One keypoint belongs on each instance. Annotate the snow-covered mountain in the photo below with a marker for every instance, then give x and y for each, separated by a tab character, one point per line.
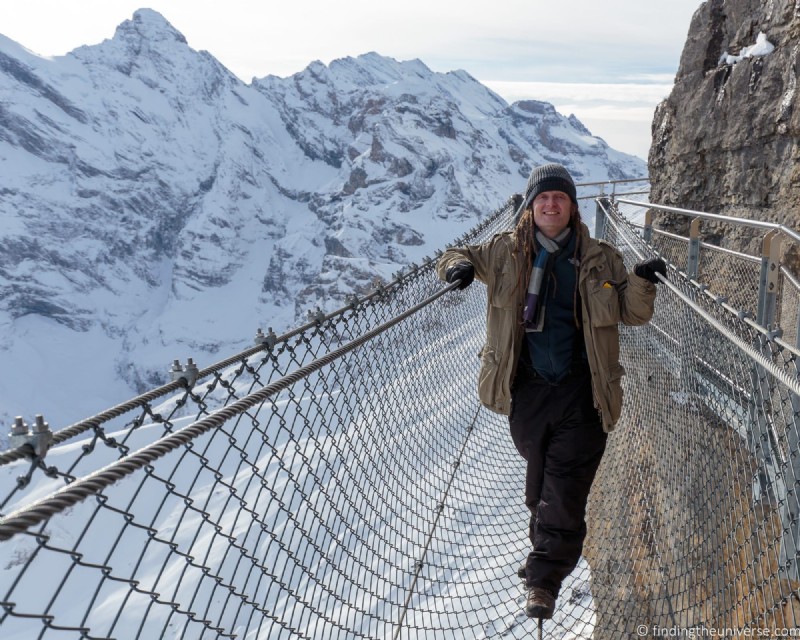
153	206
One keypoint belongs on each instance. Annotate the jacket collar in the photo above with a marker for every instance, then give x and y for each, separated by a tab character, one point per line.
582	233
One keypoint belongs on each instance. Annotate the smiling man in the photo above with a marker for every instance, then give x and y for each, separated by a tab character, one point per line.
551	360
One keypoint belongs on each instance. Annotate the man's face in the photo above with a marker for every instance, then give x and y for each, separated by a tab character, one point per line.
551	212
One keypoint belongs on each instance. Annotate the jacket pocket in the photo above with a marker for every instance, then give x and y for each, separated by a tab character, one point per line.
614	381
603	303
488	377
503	286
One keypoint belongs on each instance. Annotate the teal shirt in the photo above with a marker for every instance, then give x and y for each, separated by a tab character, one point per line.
552	350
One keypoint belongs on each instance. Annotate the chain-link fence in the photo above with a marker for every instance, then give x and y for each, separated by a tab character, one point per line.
695	510
341	481
758	277
788	305
673	248
736	275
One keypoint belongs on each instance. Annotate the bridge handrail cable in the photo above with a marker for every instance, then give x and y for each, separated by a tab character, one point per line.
73	493
745	222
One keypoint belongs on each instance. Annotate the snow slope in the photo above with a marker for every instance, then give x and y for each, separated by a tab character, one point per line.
155	207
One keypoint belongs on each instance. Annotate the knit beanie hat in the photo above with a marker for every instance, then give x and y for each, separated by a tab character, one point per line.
549	177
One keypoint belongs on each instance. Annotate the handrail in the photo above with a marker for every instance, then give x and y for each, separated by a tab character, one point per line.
706	245
632	193
703	289
594	184
745	222
669	234
627	193
70	495
729	252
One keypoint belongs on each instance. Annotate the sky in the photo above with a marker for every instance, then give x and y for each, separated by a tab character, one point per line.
609	62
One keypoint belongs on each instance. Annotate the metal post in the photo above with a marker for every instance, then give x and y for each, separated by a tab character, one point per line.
769	279
693	263
600	217
790	512
647	233
768	484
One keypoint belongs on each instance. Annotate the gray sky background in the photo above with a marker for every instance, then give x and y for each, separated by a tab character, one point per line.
607	62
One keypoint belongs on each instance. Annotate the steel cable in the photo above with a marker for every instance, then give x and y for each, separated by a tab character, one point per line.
95	482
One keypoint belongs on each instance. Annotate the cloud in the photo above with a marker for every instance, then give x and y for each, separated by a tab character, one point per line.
569	40
631	94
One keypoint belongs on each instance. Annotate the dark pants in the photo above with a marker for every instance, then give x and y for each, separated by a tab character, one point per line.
559	433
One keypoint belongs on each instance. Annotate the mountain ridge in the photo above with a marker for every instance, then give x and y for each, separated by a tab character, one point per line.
157	207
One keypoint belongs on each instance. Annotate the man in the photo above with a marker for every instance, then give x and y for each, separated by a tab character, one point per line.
551	359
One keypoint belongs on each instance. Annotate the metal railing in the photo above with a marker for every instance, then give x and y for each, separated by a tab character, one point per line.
759	286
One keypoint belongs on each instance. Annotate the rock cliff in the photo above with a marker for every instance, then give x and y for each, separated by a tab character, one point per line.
726	139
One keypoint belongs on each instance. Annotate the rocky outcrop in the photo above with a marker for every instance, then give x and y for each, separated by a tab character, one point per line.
726	139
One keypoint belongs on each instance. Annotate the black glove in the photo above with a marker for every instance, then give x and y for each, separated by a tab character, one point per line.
649	268
463	271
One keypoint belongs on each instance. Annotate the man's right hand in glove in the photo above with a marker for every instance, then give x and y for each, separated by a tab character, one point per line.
463	271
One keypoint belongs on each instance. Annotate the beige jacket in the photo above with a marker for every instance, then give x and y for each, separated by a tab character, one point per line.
628	299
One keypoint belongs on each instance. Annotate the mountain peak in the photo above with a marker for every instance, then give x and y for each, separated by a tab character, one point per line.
149	24
147	32
375	68
174	189
147	47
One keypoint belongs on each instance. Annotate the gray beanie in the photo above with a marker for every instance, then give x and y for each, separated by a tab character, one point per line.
549	177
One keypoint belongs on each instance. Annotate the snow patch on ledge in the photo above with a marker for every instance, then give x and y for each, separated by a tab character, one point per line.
762	47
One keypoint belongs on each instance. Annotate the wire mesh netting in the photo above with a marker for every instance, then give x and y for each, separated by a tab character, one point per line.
740	282
695	510
671	247
373	498
788	315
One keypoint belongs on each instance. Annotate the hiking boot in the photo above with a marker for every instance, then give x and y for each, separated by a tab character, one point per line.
540	603
522	572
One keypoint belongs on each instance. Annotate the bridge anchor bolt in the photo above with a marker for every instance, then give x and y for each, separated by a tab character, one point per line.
189	374
36	439
270	339
317	316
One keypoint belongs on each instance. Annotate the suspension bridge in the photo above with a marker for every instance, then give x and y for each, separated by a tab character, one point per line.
342	481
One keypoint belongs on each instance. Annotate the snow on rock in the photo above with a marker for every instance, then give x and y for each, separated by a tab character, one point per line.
762	47
155	207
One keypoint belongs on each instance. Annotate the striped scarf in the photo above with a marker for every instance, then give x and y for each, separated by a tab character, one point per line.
533	314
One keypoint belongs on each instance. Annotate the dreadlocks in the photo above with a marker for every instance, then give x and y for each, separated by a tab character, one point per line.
525	233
